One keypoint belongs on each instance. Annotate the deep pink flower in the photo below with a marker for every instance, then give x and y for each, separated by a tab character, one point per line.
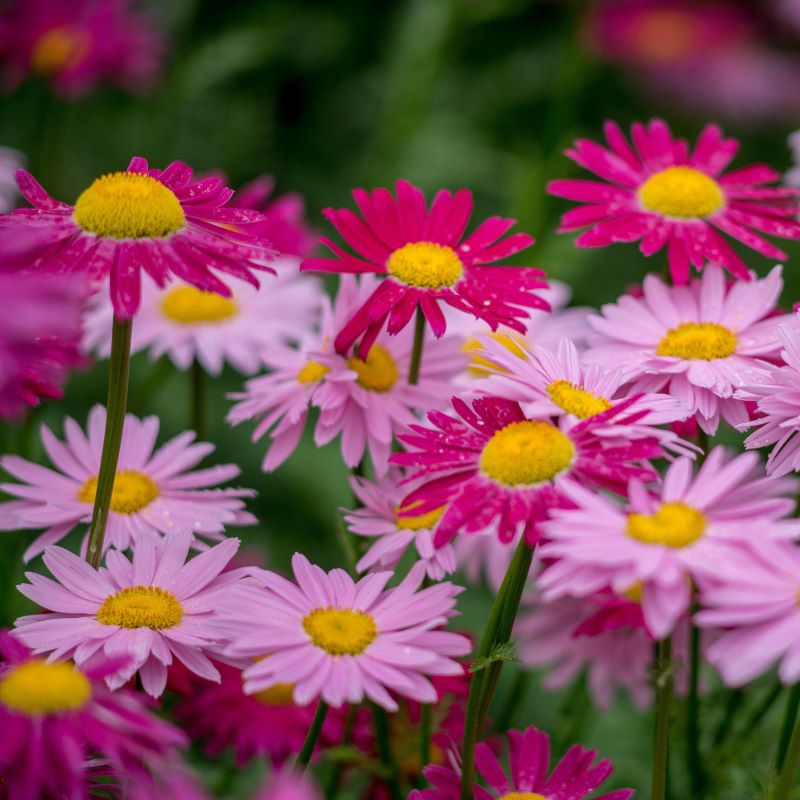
159	221
666	196
421	253
288	785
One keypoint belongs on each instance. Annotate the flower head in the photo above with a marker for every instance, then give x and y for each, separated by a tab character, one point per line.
147	609
666	196
425	262
159	221
340	640
288	785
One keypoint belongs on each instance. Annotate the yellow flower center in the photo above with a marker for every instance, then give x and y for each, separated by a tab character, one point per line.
340	632
187	305
37	687
479	365
522	796
706	341
281	694
141	607
425	265
132	491
129	205
312	372
421	521
378	373
526	453
635	592
675	524
681	192
59	49
576	400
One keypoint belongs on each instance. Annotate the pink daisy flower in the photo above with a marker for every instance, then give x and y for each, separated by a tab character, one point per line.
172	780
159	221
659	541
575	777
379	518
366	401
482	555
153	490
288	785
493	465
698	343
665	196
425	262
340	640
58	719
189	324
147	609
750	599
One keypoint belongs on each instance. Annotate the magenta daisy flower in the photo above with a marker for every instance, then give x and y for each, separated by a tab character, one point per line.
379	518
666	196
750	600
659	541
575	777
288	785
62	727
159	221
340	640
425	261
698	343
145	610
154	490
494	465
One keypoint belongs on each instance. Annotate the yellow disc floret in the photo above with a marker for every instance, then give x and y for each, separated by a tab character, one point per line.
419	522
479	365
378	373
705	341
312	372
340	632
425	265
129	205
681	192
281	694
576	400
37	687
187	305
132	491
141	607
675	525
59	49
526	453
522	796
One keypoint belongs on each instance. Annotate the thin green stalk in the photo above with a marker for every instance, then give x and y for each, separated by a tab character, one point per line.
788	725
663	682
694	759
314	731
197	401
761	710
416	350
425	737
732	704
384	749
119	367
787	771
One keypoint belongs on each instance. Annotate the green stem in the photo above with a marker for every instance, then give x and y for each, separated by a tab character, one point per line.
658	789
732	705
694	761
425	737
198	400
416	350
788	725
119	367
335	779
791	757
498	631
384	749
314	731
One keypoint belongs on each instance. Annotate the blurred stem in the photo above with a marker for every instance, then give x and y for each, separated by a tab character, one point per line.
732	705
516	694
788	725
787	766
384	749
119	367
335	779
694	761
314	731
198	400
416	351
425	737
664	677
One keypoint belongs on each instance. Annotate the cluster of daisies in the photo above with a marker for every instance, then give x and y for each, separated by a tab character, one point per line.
481	419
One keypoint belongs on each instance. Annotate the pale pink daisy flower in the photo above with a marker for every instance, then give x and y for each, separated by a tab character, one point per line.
749	597
698	343
379	518
484	555
366	401
154	490
341	640
189	324
659	541
151	608
666	196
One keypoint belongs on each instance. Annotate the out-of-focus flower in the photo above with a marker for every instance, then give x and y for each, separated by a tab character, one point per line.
484	554
147	610
172	780
664	196
58	720
159	221
78	44
792	177
10	162
39	339
153	491
288	785
699	343
425	262
343	641
367	401
658	542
